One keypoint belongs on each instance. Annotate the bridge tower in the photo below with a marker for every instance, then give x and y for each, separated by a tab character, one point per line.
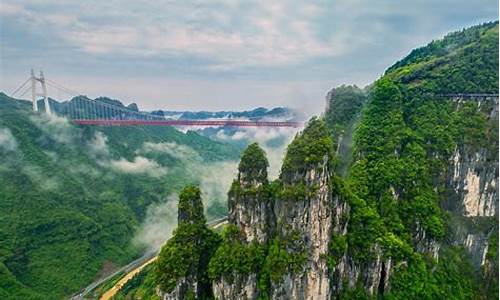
34	94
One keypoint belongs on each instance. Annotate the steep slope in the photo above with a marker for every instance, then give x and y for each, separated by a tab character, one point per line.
427	164
182	265
72	198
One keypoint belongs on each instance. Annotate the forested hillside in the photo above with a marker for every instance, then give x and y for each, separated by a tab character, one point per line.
72	198
416	154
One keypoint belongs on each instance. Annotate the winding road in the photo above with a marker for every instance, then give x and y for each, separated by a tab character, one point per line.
130	270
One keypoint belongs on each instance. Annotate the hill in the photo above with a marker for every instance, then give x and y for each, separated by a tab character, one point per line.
72	198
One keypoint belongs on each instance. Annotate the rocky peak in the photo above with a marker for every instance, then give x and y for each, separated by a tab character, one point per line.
190	206
248	209
182	265
253	167
311	149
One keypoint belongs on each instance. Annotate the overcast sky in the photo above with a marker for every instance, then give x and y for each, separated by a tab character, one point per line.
219	55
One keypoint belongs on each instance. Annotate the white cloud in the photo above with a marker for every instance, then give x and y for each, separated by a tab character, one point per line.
7	141
175	150
160	221
266	34
139	165
58	128
273	140
98	145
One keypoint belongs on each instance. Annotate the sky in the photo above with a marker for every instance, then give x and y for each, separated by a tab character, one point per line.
219	55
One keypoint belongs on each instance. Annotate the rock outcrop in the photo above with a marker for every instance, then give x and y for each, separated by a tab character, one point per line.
183	261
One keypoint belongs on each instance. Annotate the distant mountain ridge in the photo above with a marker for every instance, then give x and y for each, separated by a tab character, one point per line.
257	114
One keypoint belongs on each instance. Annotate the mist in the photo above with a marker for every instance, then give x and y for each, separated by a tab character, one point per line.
213	178
160	222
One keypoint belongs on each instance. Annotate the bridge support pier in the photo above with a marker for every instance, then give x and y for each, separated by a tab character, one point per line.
34	94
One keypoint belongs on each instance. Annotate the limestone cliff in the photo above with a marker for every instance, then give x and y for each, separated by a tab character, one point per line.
182	263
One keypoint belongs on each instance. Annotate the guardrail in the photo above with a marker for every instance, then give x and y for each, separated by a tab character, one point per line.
131	266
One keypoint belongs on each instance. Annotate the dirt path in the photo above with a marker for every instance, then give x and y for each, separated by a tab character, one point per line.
112	291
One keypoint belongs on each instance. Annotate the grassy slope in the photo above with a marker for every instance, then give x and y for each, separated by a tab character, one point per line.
63	213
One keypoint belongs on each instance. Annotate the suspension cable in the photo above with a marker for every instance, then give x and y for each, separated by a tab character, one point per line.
20	87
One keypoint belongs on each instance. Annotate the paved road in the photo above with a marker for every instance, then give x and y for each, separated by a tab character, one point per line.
133	267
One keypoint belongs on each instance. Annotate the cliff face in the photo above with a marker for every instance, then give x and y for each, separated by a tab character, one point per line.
295	216
182	263
472	186
309	224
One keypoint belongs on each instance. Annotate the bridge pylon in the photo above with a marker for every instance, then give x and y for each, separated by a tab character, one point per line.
34	94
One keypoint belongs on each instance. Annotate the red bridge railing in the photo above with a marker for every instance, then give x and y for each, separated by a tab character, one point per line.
234	123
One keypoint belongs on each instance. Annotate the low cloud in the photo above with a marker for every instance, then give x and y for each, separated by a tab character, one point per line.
160	221
7	141
214	179
99	150
40	178
57	128
98	145
175	150
139	165
274	141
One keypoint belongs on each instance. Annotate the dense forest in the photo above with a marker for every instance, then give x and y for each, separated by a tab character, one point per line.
392	194
72	198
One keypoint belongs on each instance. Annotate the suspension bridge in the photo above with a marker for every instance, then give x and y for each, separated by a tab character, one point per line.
82	110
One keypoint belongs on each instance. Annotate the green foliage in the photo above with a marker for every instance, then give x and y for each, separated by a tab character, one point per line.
65	213
337	248
345	103
187	253
465	62
489	285
403	142
190	208
307	150
235	257
451	278
280	260
253	164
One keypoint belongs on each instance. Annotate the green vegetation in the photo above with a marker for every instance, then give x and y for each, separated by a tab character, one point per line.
141	286
187	254
68	212
307	151
396	186
345	104
451	278
464	61
190	206
402	145
253	164
234	256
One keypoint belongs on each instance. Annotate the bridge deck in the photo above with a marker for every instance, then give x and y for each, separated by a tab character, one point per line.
234	123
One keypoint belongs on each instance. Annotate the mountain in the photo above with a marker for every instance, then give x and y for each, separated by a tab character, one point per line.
393	194
73	198
257	114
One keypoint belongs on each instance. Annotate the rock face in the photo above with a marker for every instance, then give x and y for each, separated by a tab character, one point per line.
301	218
252	215
183	260
241	287
248	211
475	182
472	184
312	221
